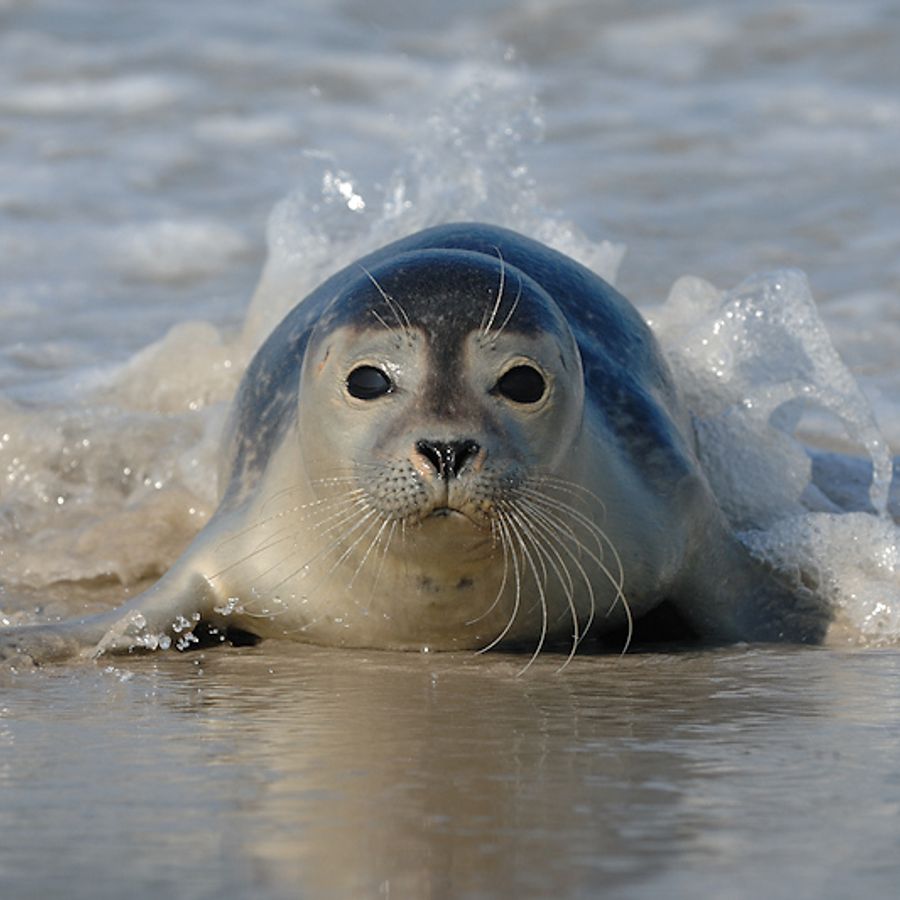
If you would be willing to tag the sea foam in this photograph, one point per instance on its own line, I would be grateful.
(752, 362)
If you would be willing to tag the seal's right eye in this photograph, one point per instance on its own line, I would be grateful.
(368, 383)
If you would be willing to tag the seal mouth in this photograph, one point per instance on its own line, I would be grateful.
(444, 512)
(452, 514)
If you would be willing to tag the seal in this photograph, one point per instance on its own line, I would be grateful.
(464, 440)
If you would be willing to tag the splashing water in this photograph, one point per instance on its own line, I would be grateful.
(751, 362)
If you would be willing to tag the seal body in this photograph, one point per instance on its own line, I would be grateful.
(463, 440)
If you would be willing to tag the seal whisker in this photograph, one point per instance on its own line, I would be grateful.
(396, 308)
(292, 489)
(277, 495)
(506, 541)
(252, 555)
(341, 506)
(288, 556)
(503, 578)
(522, 526)
(323, 502)
(337, 542)
(385, 521)
(564, 486)
(599, 535)
(558, 512)
(258, 524)
(487, 321)
(337, 563)
(540, 583)
(344, 515)
(556, 524)
(537, 525)
(512, 310)
(343, 512)
(336, 479)
(533, 531)
(384, 553)
(535, 492)
(532, 502)
(617, 584)
(380, 319)
(550, 528)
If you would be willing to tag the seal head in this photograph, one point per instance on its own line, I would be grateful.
(440, 378)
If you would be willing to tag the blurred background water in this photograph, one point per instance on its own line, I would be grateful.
(143, 148)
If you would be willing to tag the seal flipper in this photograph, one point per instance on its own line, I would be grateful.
(167, 610)
(735, 597)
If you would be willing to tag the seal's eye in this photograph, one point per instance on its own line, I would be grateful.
(367, 383)
(522, 384)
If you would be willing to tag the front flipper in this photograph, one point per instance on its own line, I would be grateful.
(162, 616)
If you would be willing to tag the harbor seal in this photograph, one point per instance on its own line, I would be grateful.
(464, 440)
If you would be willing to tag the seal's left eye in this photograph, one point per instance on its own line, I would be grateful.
(522, 384)
(367, 383)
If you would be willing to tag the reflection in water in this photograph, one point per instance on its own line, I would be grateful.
(292, 771)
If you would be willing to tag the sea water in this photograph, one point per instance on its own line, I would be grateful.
(174, 177)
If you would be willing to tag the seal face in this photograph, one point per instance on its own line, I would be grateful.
(465, 439)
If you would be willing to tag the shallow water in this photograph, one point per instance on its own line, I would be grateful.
(141, 154)
(742, 772)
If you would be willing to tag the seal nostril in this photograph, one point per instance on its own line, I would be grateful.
(430, 450)
(464, 452)
(448, 458)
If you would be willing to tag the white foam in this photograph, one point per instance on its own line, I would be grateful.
(749, 361)
(853, 559)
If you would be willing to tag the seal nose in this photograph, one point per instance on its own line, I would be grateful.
(448, 458)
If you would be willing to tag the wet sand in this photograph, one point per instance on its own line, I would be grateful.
(289, 771)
